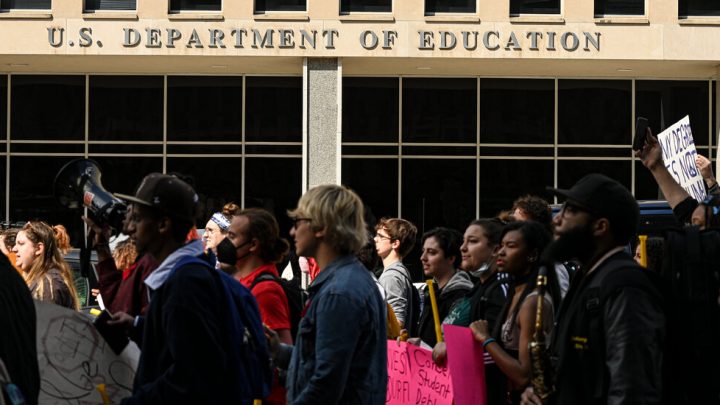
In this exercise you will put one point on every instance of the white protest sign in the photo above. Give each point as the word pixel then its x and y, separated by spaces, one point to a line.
pixel 74 359
pixel 678 150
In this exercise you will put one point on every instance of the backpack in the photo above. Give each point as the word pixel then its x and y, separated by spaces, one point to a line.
pixel 412 323
pixel 690 277
pixel 248 345
pixel 295 295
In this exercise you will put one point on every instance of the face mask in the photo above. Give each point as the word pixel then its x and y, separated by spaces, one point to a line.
pixel 227 252
pixel 479 272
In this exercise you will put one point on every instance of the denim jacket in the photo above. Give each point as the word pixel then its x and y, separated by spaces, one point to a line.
pixel 340 351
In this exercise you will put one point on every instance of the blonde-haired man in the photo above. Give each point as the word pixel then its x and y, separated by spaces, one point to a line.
pixel 340 351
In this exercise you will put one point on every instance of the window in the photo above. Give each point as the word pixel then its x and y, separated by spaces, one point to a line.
pixel 25 4
pixel 619 7
pixel 195 5
pixel 373 112
pixel 274 109
pixel 262 6
pixel 215 104
pixel 534 7
pixel 108 5
pixel 126 108
pixel 579 105
pixel 369 6
pixel 449 6
pixel 439 110
pixel 698 8
pixel 47 107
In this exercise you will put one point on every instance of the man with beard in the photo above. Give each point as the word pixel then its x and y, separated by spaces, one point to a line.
pixel 608 342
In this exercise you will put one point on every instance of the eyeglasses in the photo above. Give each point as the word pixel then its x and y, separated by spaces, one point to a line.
pixel 381 236
pixel 295 220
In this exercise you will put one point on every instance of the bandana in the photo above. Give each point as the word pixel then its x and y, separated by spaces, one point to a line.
pixel 221 221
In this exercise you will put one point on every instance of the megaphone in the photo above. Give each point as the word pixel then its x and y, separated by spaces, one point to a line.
pixel 78 185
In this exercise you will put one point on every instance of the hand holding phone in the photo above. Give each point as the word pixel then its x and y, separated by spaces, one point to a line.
pixel 641 127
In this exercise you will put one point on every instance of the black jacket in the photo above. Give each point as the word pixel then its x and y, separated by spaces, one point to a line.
pixel 18 332
pixel 456 288
pixel 609 338
pixel 185 340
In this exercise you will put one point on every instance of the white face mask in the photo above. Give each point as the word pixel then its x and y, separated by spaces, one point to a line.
pixel 485 267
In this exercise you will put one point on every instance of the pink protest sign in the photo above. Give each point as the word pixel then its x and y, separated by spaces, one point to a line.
pixel 430 383
pixel 398 364
pixel 467 368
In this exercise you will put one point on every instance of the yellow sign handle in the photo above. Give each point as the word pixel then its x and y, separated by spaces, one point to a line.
pixel 643 250
pixel 436 315
pixel 257 402
pixel 103 394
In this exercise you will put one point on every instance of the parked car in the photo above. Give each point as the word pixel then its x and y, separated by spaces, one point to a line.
pixel 83 282
pixel 656 217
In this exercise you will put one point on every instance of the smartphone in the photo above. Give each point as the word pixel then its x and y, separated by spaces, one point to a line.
pixel 641 126
pixel 115 337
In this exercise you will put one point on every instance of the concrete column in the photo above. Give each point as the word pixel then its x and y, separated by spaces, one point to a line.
pixel 322 83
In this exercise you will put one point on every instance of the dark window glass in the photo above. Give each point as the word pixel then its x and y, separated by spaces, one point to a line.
pixel 3 105
pixel 369 6
pixel 48 107
pixel 370 109
pixel 122 174
pixel 439 110
pixel 203 108
pixel 262 6
pixel 646 187
pixel 190 5
pixel 570 171
pixel 517 111
pixel 273 110
pixel 32 196
pixel 376 182
pixel 274 184
pixel 126 108
pixel 3 190
pixel 449 6
pixel 534 7
pixel 500 183
pixel 619 7
pixel 595 112
pixel 437 192
pixel 26 4
pixel 688 8
pixel 105 5
pixel 217 181
pixel 664 103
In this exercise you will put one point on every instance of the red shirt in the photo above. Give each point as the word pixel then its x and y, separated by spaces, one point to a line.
pixel 270 296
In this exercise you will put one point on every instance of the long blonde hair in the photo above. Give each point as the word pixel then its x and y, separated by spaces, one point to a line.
pixel 40 232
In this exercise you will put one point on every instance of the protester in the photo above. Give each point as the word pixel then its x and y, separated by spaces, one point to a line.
pixel 46 273
pixel 533 208
pixel 440 259
pixel 7 241
pixel 519 256
pixel 485 301
pixel 18 350
pixel 610 329
pixel 122 290
pixel 187 335
pixel 217 227
pixel 125 255
pixel 685 208
pixel 253 245
pixel 705 167
pixel 340 353
pixel 654 250
pixel 63 239
pixel 394 239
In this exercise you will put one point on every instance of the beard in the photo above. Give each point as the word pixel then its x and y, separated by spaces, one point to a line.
pixel 577 243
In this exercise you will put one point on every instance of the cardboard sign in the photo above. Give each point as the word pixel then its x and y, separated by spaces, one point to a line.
pixel 74 359
pixel 678 151
pixel 466 364
pixel 413 377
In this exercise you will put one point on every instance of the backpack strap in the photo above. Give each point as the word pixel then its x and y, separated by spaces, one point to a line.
pixel 264 277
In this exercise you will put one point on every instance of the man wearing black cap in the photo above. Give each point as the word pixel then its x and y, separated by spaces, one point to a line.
pixel 608 341
pixel 185 342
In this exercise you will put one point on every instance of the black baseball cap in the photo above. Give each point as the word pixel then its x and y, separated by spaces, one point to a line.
pixel 166 193
pixel 605 198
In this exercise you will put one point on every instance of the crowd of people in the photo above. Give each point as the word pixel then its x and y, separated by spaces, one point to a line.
pixel 520 278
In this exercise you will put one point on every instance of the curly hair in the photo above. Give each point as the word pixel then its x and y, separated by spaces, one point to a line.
pixel 535 208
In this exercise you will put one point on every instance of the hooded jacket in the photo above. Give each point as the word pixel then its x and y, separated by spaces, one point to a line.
pixel 456 288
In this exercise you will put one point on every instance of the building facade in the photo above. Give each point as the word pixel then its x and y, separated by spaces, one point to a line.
pixel 439 111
